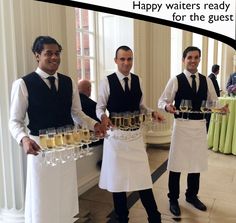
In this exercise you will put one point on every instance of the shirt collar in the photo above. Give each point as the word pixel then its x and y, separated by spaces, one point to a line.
pixel 188 74
pixel 214 75
pixel 121 76
pixel 45 75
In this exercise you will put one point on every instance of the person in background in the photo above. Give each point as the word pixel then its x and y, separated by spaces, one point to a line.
pixel 88 105
pixel 231 80
pixel 188 149
pixel 51 100
pixel 213 76
pixel 231 84
pixel 125 164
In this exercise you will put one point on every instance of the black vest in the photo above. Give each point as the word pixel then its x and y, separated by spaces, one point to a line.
pixel 118 101
pixel 185 92
pixel 46 110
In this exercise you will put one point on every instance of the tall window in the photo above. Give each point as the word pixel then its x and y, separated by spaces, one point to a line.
pixel 85 46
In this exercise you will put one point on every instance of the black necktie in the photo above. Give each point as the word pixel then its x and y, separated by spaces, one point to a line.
pixel 194 85
pixel 126 79
pixel 52 83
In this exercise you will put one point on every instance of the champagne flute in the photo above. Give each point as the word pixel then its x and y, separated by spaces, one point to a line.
pixel 133 125
pixel 137 119
pixel 51 138
pixel 86 139
pixel 142 118
pixel 43 142
pixel 216 109
pixel 127 121
pixel 78 135
pixel 69 140
pixel 93 137
pixel 118 121
pixel 59 141
pixel 113 118
pixel 43 139
pixel 149 120
pixel 121 120
pixel 132 121
pixel 51 145
pixel 183 107
pixel 190 107
pixel 125 126
pixel 204 108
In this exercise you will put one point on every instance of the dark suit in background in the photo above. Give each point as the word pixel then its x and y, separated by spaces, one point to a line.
pixel 214 72
pixel 231 80
pixel 88 106
pixel 212 76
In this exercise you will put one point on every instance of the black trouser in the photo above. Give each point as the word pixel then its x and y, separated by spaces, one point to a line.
pixel 148 201
pixel 208 119
pixel 192 182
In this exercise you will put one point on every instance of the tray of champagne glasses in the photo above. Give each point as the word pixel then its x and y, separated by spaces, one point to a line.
pixel 63 144
pixel 129 126
pixel 207 107
pixel 203 111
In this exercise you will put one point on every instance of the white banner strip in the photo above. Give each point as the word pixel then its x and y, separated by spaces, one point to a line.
pixel 212 15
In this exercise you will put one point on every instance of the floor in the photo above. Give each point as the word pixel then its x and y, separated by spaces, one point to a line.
pixel 217 191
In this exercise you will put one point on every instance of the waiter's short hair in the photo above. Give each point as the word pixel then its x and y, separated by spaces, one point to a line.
pixel 39 42
pixel 191 48
pixel 125 48
pixel 215 68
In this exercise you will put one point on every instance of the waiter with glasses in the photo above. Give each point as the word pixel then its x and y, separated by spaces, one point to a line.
pixel 125 164
pixel 50 100
pixel 188 150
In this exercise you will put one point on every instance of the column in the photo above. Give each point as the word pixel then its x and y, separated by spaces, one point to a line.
pixel 187 39
pixel 141 53
pixel 227 64
pixel 215 52
pixel 204 56
pixel 20 23
pixel 11 163
pixel 152 63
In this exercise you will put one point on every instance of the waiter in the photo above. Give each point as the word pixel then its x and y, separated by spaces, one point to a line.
pixel 125 164
pixel 50 99
pixel 188 150
pixel 213 76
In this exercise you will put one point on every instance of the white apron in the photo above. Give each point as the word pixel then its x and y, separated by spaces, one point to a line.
pixel 188 150
pixel 125 164
pixel 51 192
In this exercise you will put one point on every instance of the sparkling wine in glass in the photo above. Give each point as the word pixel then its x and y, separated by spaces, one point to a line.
pixel 86 139
pixel 190 107
pixel 216 109
pixel 43 139
pixel 204 108
pixel 183 107
pixel 51 138
pixel 60 143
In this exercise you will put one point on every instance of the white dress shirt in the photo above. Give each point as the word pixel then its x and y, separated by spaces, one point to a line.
pixel 19 106
pixel 169 93
pixel 104 93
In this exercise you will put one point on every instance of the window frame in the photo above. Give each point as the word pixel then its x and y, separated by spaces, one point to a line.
pixel 93 59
